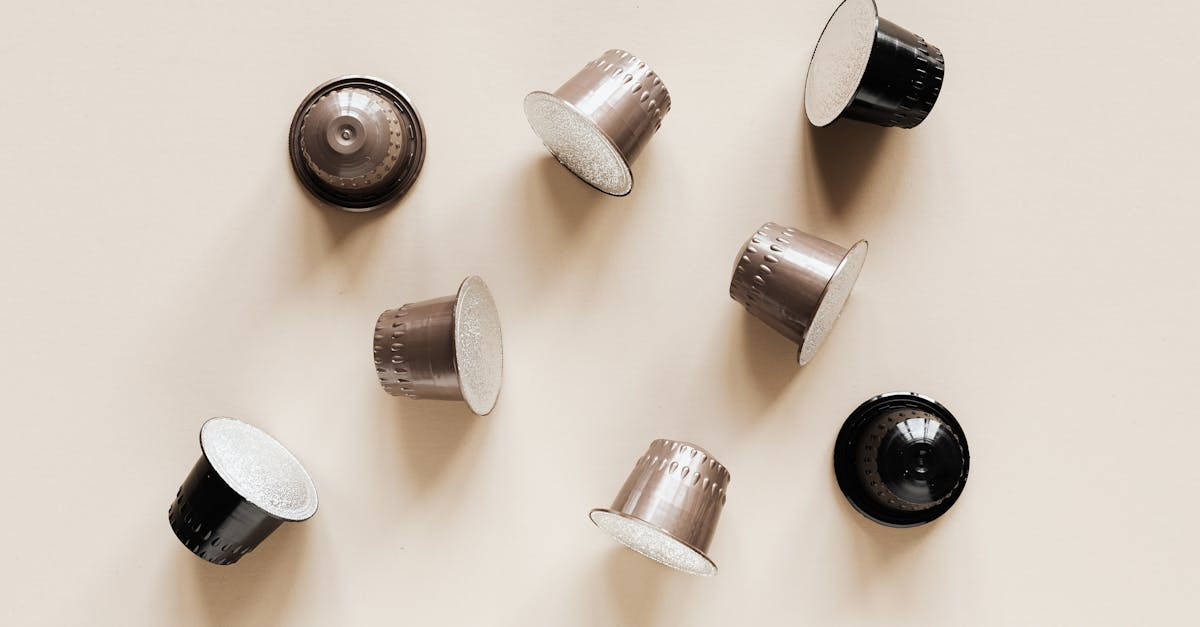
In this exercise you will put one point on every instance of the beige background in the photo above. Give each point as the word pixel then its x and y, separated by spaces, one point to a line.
pixel 1032 265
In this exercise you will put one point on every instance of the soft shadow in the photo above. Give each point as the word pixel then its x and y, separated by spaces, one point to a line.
pixel 256 590
pixel 333 234
pixel 564 221
pixel 569 199
pixel 432 436
pixel 877 548
pixel 841 159
pixel 341 224
pixel 636 585
pixel 765 358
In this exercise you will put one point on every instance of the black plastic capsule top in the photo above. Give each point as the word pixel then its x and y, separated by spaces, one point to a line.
pixel 901 459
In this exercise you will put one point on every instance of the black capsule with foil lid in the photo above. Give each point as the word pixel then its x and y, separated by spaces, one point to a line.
pixel 901 459
pixel 243 487
pixel 214 521
pixel 902 81
pixel 870 69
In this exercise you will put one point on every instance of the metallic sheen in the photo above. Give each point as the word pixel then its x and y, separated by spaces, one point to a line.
pixel 357 142
pixel 620 96
pixel 795 282
pixel 677 489
pixel 445 348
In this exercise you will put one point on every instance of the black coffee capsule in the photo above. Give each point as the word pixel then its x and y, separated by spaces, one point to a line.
pixel 901 459
pixel 357 143
pixel 869 69
pixel 243 487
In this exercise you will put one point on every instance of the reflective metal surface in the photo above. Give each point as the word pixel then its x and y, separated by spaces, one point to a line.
pixel 679 490
pixel 621 97
pixel 445 348
pixel 795 282
pixel 357 142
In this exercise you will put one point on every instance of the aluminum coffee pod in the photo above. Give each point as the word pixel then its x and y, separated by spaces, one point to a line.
pixel 867 68
pixel 901 459
pixel 243 487
pixel 357 143
pixel 446 348
pixel 600 119
pixel 796 283
pixel 669 506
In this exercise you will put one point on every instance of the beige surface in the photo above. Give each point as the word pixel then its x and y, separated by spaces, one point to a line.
pixel 1032 265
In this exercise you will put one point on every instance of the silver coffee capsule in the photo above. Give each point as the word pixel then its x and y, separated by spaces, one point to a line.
pixel 668 508
pixel 446 348
pixel 600 119
pixel 357 143
pixel 796 283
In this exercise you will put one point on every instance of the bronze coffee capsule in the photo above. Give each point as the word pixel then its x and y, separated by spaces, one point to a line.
pixel 669 506
pixel 796 283
pixel 867 68
pixel 446 348
pixel 357 143
pixel 600 119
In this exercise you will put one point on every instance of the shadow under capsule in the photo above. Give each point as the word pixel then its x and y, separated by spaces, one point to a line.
pixel 877 549
pixel 846 159
pixel 636 585
pixel 432 437
pixel 254 591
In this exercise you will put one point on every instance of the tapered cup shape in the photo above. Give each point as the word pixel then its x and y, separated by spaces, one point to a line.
pixel 869 69
pixel 796 283
pixel 245 485
pixel 446 348
pixel 668 508
pixel 597 123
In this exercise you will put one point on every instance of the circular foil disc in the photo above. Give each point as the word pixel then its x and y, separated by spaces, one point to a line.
pixel 653 542
pixel 578 143
pixel 259 468
pixel 833 300
pixel 478 350
pixel 840 60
